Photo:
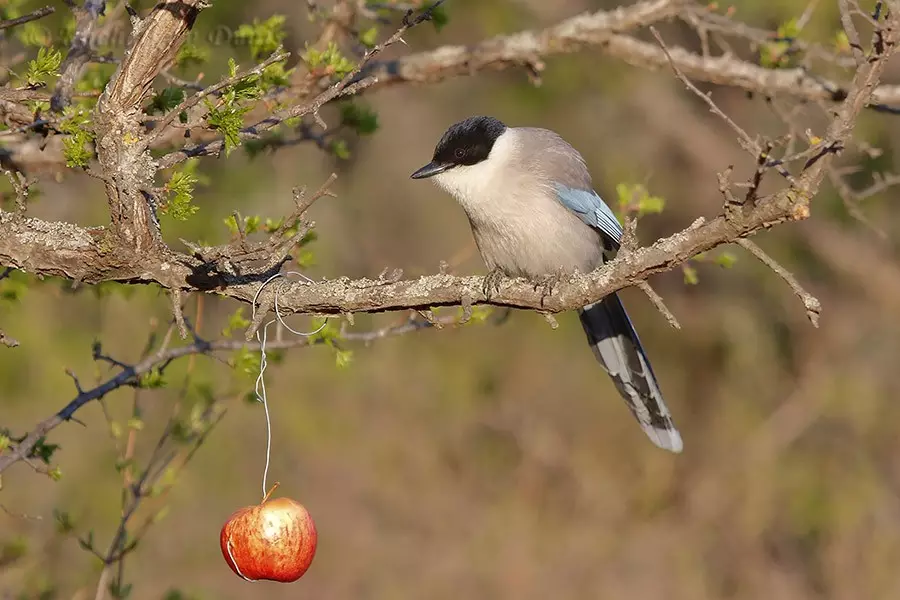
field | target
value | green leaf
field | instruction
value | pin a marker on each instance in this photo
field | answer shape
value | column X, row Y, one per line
column 369, row 37
column 64, row 522
column 439, row 18
column 330, row 60
column 13, row 550
column 166, row 100
column 236, row 321
column 229, row 120
column 690, row 275
column 263, row 37
column 180, row 193
column 636, row 198
column 75, row 123
column 339, row 149
column 43, row 67
column 275, row 75
column 153, row 379
column 361, row 119
column 343, row 358
column 246, row 362
column 726, row 260
column 190, row 54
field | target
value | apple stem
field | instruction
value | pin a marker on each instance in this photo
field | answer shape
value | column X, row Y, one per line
column 269, row 493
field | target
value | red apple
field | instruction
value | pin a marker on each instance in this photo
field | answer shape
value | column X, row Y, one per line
column 274, row 540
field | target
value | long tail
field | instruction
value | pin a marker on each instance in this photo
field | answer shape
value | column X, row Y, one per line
column 616, row 345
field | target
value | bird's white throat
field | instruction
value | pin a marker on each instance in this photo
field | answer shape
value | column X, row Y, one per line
column 473, row 184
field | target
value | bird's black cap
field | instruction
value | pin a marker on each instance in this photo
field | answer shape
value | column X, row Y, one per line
column 465, row 143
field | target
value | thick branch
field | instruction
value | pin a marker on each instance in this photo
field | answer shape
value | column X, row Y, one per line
column 126, row 167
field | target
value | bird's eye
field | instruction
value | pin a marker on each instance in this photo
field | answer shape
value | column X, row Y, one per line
column 459, row 153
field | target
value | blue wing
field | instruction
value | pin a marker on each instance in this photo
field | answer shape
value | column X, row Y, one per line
column 591, row 209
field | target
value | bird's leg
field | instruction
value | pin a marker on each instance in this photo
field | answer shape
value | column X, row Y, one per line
column 492, row 282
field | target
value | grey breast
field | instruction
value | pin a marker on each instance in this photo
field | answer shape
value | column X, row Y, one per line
column 527, row 231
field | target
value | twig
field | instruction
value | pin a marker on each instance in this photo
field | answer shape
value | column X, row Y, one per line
column 32, row 16
column 660, row 304
column 179, row 313
column 812, row 304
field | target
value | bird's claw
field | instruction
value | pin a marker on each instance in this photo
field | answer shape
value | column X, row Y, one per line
column 547, row 283
column 492, row 282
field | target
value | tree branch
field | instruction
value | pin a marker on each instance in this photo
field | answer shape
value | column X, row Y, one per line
column 603, row 30
column 32, row 16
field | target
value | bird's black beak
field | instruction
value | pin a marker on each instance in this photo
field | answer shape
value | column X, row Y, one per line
column 430, row 170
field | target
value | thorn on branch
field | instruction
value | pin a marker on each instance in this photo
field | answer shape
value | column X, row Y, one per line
column 812, row 304
column 97, row 355
column 75, row 380
column 762, row 161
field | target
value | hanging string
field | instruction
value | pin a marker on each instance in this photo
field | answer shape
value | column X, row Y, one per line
column 262, row 338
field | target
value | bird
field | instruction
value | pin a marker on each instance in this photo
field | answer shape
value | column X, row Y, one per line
column 533, row 211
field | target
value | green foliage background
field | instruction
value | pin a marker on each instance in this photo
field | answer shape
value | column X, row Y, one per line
column 491, row 462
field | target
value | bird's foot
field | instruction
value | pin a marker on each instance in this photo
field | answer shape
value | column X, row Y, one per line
column 492, row 282
column 547, row 283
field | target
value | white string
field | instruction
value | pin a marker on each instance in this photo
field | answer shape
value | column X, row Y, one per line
column 263, row 362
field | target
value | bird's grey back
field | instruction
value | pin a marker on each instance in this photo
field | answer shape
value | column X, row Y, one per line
column 547, row 154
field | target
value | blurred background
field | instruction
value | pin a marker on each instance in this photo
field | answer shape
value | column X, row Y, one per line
column 498, row 461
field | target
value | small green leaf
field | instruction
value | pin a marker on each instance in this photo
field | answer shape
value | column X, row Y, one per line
column 152, row 380
column 75, row 123
column 361, row 119
column 636, row 198
column 343, row 358
column 64, row 522
column 263, row 37
column 190, row 54
column 180, row 193
column 229, row 121
column 123, row 464
column 726, row 260
column 43, row 67
column 339, row 149
column 236, row 321
column 690, row 275
column 166, row 100
column 369, row 37
column 439, row 18
column 330, row 60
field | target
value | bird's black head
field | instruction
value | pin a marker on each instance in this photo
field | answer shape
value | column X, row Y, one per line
column 466, row 143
